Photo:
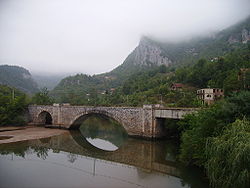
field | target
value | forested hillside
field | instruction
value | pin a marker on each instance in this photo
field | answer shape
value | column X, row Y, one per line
column 230, row 72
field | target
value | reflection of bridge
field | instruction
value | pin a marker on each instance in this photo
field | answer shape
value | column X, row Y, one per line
column 136, row 121
column 142, row 154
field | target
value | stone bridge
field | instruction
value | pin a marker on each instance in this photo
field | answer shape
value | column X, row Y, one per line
column 143, row 121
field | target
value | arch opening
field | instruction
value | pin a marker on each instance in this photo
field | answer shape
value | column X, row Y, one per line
column 101, row 131
column 45, row 118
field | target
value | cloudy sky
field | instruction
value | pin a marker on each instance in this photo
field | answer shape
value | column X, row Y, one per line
column 95, row 36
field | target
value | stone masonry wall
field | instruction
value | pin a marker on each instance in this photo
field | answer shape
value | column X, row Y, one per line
column 142, row 122
column 136, row 121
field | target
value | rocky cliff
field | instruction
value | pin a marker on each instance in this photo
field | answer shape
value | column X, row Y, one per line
column 147, row 53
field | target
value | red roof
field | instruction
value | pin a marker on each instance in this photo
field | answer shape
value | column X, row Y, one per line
column 177, row 85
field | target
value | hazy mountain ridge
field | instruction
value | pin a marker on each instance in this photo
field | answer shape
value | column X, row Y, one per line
column 151, row 53
column 18, row 77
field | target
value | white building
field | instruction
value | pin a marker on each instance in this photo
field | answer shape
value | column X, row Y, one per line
column 209, row 95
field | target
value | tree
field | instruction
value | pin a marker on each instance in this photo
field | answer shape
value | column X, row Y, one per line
column 42, row 97
column 228, row 157
column 12, row 107
column 231, row 83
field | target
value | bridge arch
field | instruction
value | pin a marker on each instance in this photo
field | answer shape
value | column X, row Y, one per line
column 45, row 118
column 78, row 119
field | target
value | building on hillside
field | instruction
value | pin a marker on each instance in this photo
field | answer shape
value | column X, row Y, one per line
column 177, row 86
column 209, row 95
column 112, row 90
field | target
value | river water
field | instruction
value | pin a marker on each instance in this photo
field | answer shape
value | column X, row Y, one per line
column 100, row 154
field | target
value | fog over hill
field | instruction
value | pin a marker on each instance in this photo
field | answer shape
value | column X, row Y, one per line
column 95, row 36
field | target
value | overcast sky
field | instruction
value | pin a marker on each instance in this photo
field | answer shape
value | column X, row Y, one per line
column 95, row 36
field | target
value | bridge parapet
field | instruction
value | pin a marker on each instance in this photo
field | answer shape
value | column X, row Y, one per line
column 173, row 113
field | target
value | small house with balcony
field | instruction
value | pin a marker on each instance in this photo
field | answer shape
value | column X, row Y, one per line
column 210, row 95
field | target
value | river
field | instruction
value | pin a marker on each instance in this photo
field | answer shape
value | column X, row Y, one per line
column 100, row 154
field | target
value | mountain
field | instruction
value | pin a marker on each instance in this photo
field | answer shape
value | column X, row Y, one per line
column 17, row 77
column 151, row 53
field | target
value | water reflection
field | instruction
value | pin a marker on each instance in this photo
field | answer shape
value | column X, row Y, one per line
column 62, row 162
column 103, row 133
column 102, row 144
column 83, row 159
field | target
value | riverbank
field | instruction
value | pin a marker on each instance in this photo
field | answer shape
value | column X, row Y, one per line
column 15, row 134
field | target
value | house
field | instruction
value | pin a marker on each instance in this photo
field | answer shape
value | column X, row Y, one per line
column 209, row 95
column 176, row 86
column 112, row 90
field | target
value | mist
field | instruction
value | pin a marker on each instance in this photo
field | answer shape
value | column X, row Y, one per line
column 95, row 36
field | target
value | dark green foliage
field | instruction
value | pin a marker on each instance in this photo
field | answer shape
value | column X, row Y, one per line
column 17, row 77
column 221, row 73
column 228, row 162
column 13, row 104
column 219, row 155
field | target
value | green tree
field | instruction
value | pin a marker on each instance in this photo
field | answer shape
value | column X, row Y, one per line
column 42, row 98
column 13, row 104
column 228, row 163
column 231, row 83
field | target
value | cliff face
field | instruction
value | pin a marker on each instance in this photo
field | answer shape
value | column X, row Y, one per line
column 240, row 37
column 147, row 54
column 245, row 36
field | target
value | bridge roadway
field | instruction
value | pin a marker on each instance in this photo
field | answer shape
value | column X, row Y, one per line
column 143, row 121
column 146, row 155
